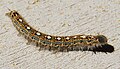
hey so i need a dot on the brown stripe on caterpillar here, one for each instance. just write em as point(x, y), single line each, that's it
point(56, 43)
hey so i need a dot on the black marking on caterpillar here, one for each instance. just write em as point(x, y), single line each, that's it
point(59, 43)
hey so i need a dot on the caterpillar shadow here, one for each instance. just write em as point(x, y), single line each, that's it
point(104, 48)
point(107, 48)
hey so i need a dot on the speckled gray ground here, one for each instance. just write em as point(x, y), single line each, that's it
point(60, 17)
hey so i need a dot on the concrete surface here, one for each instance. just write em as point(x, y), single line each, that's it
point(60, 17)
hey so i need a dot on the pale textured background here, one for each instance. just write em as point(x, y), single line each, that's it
point(60, 17)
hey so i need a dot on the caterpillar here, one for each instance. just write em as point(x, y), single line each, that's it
point(56, 43)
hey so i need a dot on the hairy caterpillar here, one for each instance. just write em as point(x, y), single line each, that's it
point(56, 43)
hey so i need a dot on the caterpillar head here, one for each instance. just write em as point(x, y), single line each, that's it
point(101, 38)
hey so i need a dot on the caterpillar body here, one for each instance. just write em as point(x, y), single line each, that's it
point(56, 43)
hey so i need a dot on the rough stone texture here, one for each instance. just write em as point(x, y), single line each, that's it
point(60, 17)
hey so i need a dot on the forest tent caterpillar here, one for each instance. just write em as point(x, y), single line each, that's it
point(55, 43)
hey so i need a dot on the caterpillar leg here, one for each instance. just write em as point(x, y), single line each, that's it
point(29, 41)
point(54, 52)
point(19, 34)
point(37, 44)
